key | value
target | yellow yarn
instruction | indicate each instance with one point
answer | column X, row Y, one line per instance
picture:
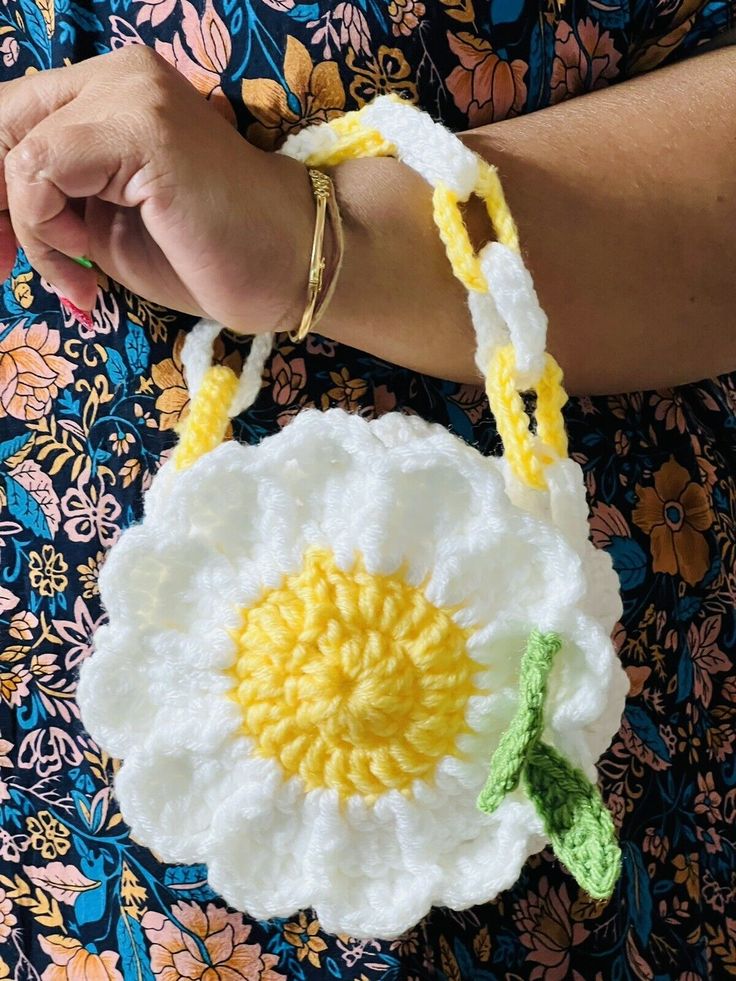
column 490, row 190
column 454, row 234
column 208, row 418
column 551, row 397
column 205, row 426
column 527, row 456
column 355, row 140
column 352, row 680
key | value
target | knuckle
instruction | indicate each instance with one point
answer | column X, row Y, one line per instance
column 23, row 159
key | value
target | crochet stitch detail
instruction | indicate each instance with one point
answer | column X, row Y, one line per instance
column 579, row 826
column 353, row 680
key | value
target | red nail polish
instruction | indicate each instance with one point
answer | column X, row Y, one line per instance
column 83, row 316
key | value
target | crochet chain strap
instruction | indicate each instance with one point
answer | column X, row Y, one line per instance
column 509, row 324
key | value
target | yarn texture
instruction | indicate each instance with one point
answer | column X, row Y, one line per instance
column 398, row 649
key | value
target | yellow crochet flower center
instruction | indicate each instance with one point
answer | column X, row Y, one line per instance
column 353, row 681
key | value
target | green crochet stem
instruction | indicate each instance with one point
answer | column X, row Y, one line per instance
column 578, row 824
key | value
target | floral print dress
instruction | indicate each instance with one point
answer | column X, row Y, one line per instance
column 86, row 416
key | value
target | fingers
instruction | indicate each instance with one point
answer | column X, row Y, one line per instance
column 61, row 162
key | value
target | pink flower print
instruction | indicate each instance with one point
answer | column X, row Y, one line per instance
column 90, row 511
column 155, row 12
column 31, row 371
column 78, row 633
column 214, row 947
column 210, row 45
column 48, row 751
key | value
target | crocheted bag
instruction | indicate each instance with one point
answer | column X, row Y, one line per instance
column 360, row 666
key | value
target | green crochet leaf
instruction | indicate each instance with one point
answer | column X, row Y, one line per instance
column 526, row 727
column 579, row 825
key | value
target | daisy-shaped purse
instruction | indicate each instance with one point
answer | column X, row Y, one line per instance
column 360, row 666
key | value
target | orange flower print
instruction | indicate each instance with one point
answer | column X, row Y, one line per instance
column 174, row 398
column 388, row 72
column 675, row 513
column 484, row 86
column 73, row 962
column 585, row 59
column 214, row 947
column 316, row 90
column 168, row 375
column 548, row 931
column 303, row 936
column 209, row 42
column 405, row 15
column 31, row 372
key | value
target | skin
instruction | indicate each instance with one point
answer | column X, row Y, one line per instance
column 625, row 200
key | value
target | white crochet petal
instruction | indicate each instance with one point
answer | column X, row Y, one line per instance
column 113, row 694
column 403, row 494
column 169, row 799
column 428, row 147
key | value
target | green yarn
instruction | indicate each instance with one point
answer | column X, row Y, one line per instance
column 526, row 727
column 578, row 824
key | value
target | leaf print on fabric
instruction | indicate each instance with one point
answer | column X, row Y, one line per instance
column 708, row 659
column 40, row 489
column 64, row 882
column 354, row 30
column 484, row 86
column 32, row 373
column 208, row 944
column 73, row 962
column 585, row 59
column 316, row 94
column 674, row 513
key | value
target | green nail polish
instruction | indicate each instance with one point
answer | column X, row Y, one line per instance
column 83, row 261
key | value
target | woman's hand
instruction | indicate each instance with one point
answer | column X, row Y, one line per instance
column 120, row 159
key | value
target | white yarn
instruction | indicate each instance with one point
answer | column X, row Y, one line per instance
column 425, row 146
column 196, row 357
column 398, row 491
column 307, row 142
column 409, row 498
column 196, row 353
column 516, row 301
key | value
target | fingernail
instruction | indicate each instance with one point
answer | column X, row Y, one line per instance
column 83, row 316
column 83, row 261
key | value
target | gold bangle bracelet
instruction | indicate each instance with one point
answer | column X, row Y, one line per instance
column 323, row 190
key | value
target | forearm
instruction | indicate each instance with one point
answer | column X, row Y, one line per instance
column 626, row 205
